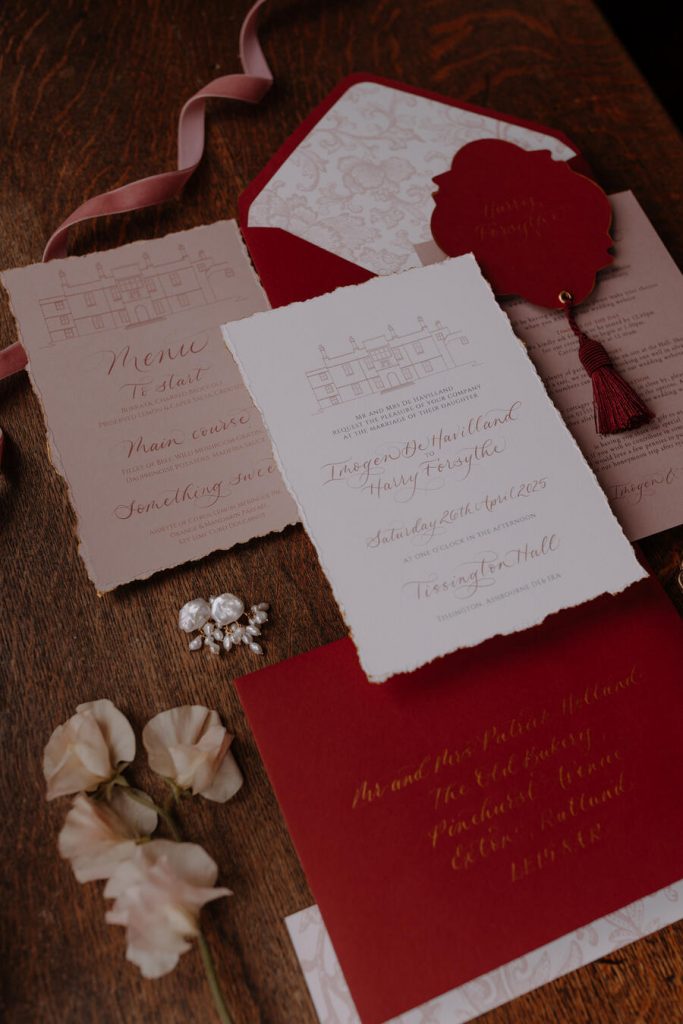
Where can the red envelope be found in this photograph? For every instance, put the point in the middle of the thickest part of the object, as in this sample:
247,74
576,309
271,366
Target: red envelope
292,269
459,817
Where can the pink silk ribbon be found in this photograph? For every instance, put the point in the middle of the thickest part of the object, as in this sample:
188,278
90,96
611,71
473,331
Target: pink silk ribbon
250,87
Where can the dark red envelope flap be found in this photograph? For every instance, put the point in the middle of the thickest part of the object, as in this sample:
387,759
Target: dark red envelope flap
293,270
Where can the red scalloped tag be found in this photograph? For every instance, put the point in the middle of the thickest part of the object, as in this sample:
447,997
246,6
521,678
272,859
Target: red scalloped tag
535,226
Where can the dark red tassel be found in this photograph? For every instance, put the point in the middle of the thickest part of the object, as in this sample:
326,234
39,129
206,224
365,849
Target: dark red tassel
615,404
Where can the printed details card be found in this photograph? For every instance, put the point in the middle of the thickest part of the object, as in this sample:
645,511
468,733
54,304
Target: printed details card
446,498
636,311
467,814
164,453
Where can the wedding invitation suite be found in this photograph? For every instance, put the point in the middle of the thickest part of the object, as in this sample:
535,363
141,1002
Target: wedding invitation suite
164,453
465,815
446,498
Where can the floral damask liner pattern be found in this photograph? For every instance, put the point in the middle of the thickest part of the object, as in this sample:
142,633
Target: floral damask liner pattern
360,183
334,1005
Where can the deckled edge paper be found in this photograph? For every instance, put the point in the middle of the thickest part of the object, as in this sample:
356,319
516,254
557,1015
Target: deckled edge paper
629,572
275,522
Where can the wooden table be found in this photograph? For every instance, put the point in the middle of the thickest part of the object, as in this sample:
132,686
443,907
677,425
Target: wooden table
91,91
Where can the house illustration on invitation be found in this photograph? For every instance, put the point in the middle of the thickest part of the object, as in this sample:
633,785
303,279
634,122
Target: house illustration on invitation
134,293
383,363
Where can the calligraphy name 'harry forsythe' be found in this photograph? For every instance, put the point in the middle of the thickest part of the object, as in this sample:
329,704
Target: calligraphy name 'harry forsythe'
372,474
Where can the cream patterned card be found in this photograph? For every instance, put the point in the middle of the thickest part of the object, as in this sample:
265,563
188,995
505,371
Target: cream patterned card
445,496
334,1005
360,182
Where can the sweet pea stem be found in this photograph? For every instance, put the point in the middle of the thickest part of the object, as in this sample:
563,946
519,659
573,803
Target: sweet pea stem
142,798
166,814
211,977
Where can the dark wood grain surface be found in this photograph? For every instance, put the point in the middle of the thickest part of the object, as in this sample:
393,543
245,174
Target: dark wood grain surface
90,92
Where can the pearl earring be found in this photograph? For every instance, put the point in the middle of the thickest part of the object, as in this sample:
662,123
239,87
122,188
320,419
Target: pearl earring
216,623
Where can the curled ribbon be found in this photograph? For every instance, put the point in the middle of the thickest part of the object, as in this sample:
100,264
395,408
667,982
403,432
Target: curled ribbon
249,86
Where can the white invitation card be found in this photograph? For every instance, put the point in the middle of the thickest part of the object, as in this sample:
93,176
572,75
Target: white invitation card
446,498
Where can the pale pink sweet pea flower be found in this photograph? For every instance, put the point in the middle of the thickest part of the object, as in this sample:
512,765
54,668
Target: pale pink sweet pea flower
157,895
190,746
87,750
97,836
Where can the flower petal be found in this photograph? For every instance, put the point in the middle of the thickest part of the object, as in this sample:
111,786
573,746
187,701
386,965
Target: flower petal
178,726
94,839
153,963
227,781
189,745
86,750
158,894
192,767
188,861
56,751
89,745
140,820
115,728
75,758
71,778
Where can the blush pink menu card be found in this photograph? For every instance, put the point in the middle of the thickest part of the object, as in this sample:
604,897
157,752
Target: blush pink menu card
149,423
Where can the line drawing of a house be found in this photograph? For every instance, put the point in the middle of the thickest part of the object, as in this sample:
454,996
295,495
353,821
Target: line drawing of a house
384,363
134,293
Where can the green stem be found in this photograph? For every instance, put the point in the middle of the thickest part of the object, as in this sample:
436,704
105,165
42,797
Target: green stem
211,977
164,814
